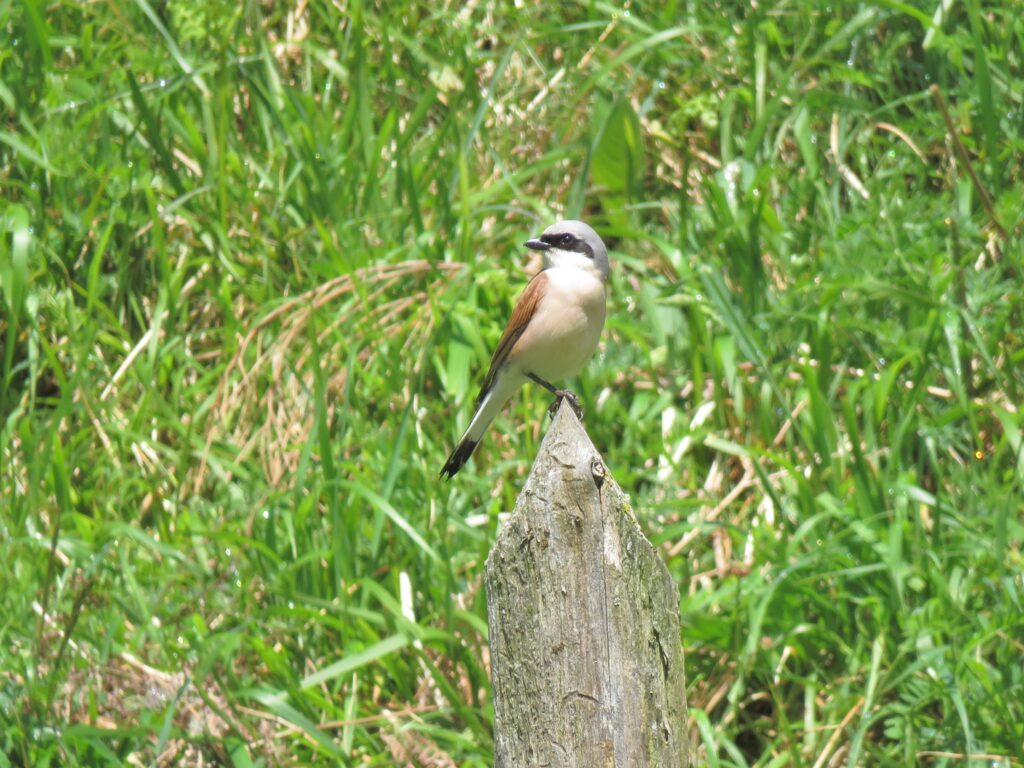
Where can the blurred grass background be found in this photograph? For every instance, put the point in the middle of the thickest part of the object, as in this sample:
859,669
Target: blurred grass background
254,259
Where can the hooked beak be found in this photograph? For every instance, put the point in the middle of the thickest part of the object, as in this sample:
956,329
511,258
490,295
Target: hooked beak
536,244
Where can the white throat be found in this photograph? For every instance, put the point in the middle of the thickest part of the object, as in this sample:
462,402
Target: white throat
556,258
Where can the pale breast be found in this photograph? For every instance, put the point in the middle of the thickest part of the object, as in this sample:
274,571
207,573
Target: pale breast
564,332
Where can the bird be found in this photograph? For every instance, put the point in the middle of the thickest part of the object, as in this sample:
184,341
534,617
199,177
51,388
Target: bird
553,331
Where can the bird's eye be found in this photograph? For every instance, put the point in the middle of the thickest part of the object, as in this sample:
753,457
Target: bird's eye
565,239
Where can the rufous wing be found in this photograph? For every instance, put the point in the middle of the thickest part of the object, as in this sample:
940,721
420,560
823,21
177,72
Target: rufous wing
517,324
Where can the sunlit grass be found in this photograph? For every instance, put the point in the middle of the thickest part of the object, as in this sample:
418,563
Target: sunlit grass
255,258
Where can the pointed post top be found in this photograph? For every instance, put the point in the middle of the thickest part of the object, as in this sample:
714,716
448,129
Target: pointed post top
566,457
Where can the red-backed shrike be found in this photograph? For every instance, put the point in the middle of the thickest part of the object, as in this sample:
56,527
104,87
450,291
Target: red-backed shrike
553,331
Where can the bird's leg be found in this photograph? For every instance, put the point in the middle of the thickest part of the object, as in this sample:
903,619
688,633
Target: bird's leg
560,395
571,399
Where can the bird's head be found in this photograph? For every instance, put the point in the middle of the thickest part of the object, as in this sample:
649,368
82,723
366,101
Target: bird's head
572,243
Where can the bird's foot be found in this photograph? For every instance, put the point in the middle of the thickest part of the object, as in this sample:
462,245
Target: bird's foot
570,398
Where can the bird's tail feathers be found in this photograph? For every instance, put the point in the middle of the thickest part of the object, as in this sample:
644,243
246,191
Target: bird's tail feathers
458,458
488,406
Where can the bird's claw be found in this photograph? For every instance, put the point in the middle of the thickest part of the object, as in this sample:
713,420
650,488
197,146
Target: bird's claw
570,398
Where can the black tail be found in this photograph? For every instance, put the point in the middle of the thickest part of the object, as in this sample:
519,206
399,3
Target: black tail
458,458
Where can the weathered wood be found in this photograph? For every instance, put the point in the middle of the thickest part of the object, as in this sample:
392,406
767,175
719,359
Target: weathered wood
586,653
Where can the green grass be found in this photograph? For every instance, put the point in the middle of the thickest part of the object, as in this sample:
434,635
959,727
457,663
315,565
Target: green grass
254,258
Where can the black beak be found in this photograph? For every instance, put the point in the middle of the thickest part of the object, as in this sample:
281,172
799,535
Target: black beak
536,244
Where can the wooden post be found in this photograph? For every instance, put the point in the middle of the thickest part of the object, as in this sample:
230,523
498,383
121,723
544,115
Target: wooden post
586,654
